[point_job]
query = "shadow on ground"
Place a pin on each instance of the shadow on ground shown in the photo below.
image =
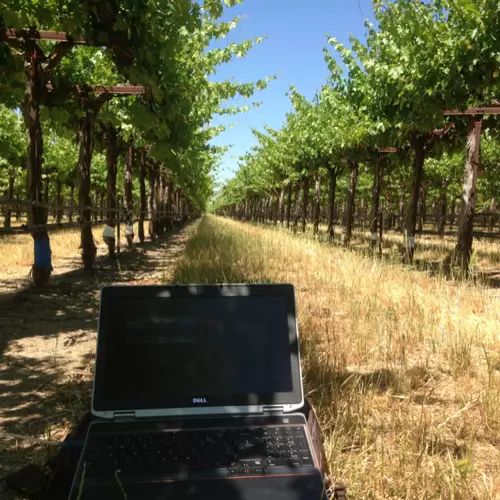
(47, 344)
(72, 299)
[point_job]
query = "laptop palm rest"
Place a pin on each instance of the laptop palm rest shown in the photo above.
(270, 488)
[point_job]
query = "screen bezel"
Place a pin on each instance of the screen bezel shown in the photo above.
(244, 403)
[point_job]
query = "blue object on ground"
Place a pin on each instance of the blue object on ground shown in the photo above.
(43, 253)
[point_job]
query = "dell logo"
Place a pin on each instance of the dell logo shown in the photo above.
(199, 400)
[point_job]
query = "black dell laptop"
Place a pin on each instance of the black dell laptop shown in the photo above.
(194, 395)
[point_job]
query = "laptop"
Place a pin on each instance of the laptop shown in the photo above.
(195, 397)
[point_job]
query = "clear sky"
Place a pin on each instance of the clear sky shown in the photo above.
(295, 32)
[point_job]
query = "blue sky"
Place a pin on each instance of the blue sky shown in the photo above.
(295, 36)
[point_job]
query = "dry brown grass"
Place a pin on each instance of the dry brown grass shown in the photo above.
(430, 249)
(403, 368)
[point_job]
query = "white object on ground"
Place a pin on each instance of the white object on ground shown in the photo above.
(109, 232)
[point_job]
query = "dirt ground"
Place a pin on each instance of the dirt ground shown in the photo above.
(47, 345)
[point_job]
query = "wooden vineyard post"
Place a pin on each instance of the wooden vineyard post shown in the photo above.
(102, 202)
(463, 250)
(111, 171)
(331, 204)
(402, 202)
(118, 219)
(10, 196)
(281, 206)
(381, 234)
(59, 212)
(152, 203)
(274, 209)
(86, 124)
(305, 201)
(443, 204)
(143, 201)
(296, 207)
(377, 212)
(377, 188)
(42, 267)
(129, 214)
(348, 217)
(418, 144)
(288, 215)
(317, 202)
(71, 201)
(168, 206)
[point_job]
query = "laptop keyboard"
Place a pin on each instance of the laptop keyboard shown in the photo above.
(196, 454)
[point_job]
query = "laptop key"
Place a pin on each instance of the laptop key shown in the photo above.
(222, 471)
(302, 444)
(276, 462)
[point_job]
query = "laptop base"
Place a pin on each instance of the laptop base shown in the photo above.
(270, 488)
(195, 456)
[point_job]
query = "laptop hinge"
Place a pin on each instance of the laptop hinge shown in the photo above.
(273, 409)
(123, 416)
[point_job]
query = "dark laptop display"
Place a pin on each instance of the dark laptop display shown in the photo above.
(161, 351)
(194, 393)
(207, 349)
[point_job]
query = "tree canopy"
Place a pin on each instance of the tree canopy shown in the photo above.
(419, 60)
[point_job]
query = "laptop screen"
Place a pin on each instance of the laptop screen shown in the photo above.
(178, 349)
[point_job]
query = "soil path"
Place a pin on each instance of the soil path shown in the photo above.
(47, 345)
